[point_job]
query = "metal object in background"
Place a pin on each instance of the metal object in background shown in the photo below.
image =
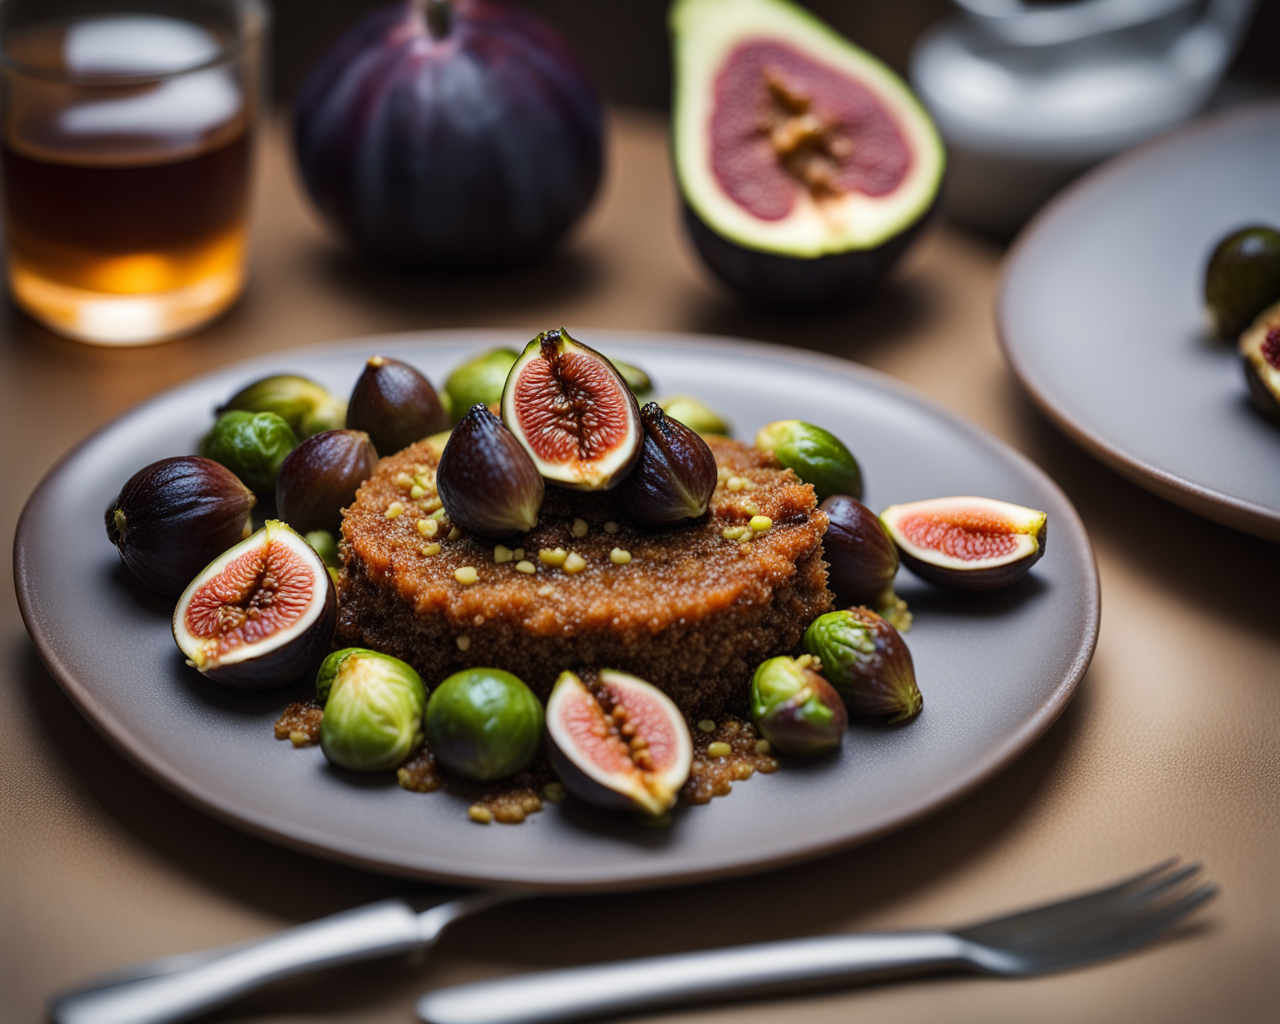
(1028, 97)
(1087, 929)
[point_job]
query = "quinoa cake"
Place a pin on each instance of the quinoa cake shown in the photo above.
(692, 608)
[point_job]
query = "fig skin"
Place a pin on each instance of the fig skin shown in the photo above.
(487, 482)
(320, 478)
(796, 709)
(1259, 349)
(395, 405)
(458, 136)
(175, 516)
(862, 560)
(286, 660)
(867, 662)
(675, 477)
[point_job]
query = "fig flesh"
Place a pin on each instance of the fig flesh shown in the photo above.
(173, 517)
(395, 405)
(805, 164)
(967, 543)
(620, 744)
(675, 477)
(573, 412)
(320, 478)
(1260, 353)
(456, 134)
(261, 613)
(487, 482)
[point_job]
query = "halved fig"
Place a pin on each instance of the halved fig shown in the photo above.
(1260, 352)
(573, 412)
(620, 743)
(967, 543)
(261, 613)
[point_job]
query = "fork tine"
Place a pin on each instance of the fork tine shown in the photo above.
(1022, 922)
(1081, 924)
(1126, 935)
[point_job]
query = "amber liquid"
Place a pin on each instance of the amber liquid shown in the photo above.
(129, 238)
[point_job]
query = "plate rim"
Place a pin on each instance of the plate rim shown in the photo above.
(316, 843)
(1237, 513)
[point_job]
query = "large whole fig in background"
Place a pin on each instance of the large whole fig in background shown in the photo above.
(456, 134)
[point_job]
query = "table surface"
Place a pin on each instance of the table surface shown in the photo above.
(1172, 744)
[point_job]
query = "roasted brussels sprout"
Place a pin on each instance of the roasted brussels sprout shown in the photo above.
(479, 380)
(795, 709)
(1242, 279)
(253, 445)
(816, 456)
(373, 705)
(306, 406)
(696, 415)
(484, 724)
(867, 662)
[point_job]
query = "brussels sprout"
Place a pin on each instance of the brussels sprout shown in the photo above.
(252, 445)
(795, 709)
(817, 457)
(303, 404)
(480, 380)
(484, 724)
(373, 707)
(637, 380)
(326, 546)
(696, 415)
(867, 662)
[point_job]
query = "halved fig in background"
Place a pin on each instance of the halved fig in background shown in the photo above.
(173, 516)
(807, 167)
(967, 543)
(487, 482)
(395, 405)
(573, 412)
(1260, 351)
(261, 613)
(620, 744)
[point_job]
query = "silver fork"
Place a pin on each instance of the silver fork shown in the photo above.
(1057, 937)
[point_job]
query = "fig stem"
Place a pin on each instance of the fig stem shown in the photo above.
(438, 15)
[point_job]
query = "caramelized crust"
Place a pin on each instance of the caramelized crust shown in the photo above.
(692, 612)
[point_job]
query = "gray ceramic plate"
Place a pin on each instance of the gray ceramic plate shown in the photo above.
(995, 670)
(1100, 316)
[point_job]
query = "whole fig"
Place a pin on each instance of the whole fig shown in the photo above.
(450, 133)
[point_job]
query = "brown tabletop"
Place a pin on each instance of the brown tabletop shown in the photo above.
(1172, 744)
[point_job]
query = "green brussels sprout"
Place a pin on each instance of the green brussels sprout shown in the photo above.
(480, 380)
(303, 404)
(867, 662)
(326, 547)
(817, 456)
(696, 415)
(252, 445)
(795, 709)
(484, 724)
(637, 380)
(373, 706)
(1242, 279)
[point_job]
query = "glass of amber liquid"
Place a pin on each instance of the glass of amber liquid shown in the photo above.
(126, 136)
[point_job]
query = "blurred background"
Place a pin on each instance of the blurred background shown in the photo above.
(624, 42)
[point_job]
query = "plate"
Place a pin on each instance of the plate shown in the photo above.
(1100, 317)
(995, 670)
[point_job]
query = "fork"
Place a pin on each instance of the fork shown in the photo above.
(1057, 937)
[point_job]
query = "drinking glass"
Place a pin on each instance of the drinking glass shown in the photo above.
(126, 139)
